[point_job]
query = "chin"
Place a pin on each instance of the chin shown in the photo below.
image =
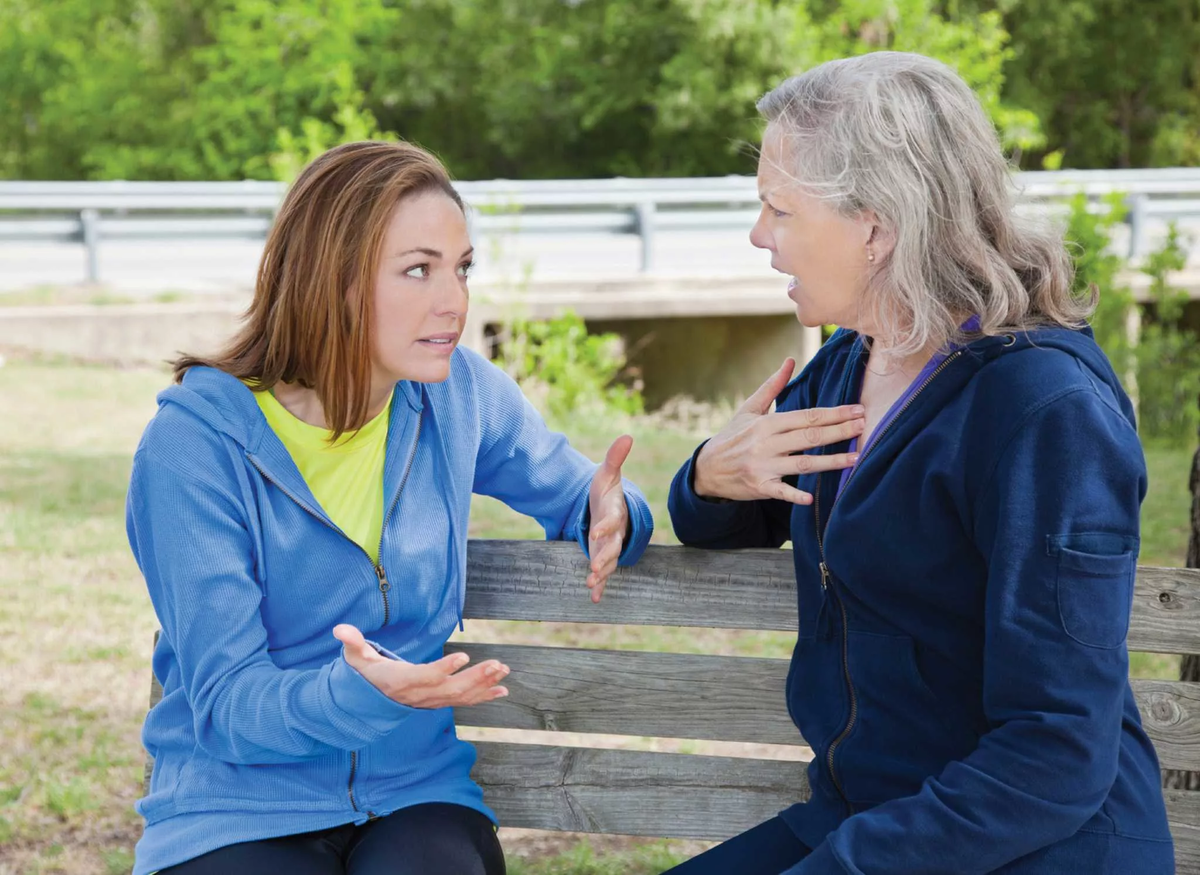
(809, 319)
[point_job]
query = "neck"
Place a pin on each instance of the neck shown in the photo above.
(305, 404)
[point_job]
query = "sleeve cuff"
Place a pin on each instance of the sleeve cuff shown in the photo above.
(359, 698)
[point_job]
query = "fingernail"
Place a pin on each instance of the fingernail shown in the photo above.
(854, 457)
(858, 410)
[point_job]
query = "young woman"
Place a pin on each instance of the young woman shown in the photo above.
(308, 488)
(959, 474)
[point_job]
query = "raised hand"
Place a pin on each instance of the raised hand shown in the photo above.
(610, 516)
(438, 684)
(751, 455)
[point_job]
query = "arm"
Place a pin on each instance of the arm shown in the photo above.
(1057, 525)
(191, 542)
(537, 472)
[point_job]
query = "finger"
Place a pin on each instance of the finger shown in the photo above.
(784, 492)
(606, 554)
(814, 436)
(764, 395)
(446, 666)
(355, 644)
(794, 420)
(475, 680)
(815, 464)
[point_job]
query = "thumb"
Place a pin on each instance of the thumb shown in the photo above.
(618, 453)
(760, 402)
(356, 645)
(608, 474)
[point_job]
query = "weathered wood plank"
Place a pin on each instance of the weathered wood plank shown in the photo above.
(1166, 611)
(681, 796)
(1183, 813)
(669, 586)
(1171, 715)
(674, 695)
(634, 792)
(743, 589)
(669, 695)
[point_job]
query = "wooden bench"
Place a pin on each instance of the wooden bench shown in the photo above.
(720, 698)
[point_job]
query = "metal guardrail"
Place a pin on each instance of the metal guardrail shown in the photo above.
(91, 212)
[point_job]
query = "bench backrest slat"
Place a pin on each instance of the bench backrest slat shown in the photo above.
(747, 589)
(665, 695)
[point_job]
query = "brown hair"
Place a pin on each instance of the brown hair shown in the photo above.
(311, 319)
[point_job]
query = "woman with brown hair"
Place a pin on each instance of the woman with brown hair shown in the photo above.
(312, 483)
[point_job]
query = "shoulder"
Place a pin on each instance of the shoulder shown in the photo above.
(1038, 371)
(179, 440)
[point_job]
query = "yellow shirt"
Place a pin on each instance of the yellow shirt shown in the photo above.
(346, 478)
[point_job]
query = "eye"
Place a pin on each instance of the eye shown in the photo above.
(418, 272)
(778, 214)
(464, 269)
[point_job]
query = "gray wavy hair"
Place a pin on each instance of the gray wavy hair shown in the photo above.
(903, 135)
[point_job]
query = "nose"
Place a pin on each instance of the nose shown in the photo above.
(453, 298)
(760, 237)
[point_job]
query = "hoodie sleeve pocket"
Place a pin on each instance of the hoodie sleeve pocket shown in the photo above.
(1095, 588)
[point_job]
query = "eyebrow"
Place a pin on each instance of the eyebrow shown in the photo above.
(432, 253)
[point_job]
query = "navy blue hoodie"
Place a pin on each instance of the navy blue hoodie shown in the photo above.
(960, 670)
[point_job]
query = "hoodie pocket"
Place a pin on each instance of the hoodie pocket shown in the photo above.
(1095, 591)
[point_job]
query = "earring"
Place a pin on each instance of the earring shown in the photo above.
(870, 256)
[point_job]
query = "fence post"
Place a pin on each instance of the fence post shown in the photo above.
(90, 221)
(1137, 225)
(645, 225)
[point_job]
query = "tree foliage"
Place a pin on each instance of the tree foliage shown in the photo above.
(230, 89)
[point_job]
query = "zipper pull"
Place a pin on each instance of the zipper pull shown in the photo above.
(384, 586)
(824, 576)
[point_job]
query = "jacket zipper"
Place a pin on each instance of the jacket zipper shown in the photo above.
(825, 578)
(384, 586)
(350, 783)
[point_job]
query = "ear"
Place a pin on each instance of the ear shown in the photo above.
(875, 236)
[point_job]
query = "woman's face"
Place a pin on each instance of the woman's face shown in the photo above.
(420, 290)
(825, 253)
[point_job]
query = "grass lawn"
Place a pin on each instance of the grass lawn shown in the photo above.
(75, 623)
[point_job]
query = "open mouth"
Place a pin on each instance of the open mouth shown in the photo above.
(440, 341)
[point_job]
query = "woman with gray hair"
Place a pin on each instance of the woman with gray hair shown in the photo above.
(960, 476)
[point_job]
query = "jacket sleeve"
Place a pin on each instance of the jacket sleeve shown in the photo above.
(535, 471)
(1057, 525)
(724, 525)
(192, 544)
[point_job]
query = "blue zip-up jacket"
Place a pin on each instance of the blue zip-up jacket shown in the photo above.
(960, 670)
(264, 729)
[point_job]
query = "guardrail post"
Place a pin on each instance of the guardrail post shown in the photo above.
(1137, 224)
(89, 219)
(645, 225)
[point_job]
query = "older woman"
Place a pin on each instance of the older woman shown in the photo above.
(959, 474)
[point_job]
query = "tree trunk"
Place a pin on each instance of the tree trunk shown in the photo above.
(1175, 779)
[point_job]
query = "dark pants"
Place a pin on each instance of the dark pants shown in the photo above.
(767, 849)
(430, 839)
